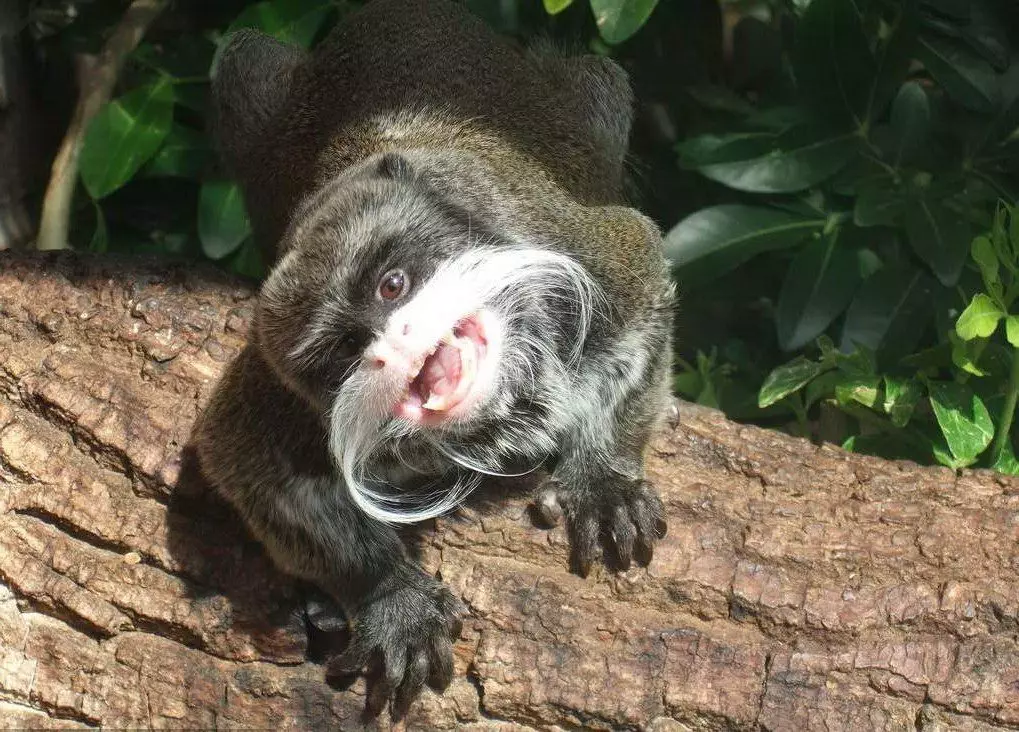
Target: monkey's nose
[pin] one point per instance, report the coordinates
(385, 354)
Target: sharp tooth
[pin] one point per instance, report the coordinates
(435, 403)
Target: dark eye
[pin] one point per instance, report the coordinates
(393, 284)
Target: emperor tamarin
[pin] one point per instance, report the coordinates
(456, 291)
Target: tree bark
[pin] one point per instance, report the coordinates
(800, 587)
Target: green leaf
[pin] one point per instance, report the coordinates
(1006, 461)
(965, 354)
(793, 161)
(617, 20)
(939, 237)
(554, 7)
(952, 9)
(911, 121)
(962, 417)
(1013, 227)
(818, 286)
(688, 383)
(987, 34)
(290, 21)
(247, 260)
(100, 242)
(944, 455)
(184, 154)
(862, 389)
(720, 99)
(894, 57)
(822, 387)
(222, 221)
(879, 204)
(1012, 330)
(831, 60)
(967, 78)
(982, 251)
(979, 319)
(714, 240)
(124, 135)
(901, 397)
(889, 313)
(787, 379)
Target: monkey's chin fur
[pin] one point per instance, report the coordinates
(455, 374)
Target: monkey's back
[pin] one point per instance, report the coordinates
(395, 57)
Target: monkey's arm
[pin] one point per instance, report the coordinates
(598, 481)
(619, 395)
(264, 451)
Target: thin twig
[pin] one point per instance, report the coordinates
(97, 78)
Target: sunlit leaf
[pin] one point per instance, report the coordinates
(901, 397)
(787, 379)
(1006, 462)
(553, 7)
(962, 417)
(1012, 330)
(979, 319)
(982, 251)
(862, 389)
(965, 354)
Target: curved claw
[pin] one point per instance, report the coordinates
(628, 514)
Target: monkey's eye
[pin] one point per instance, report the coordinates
(393, 284)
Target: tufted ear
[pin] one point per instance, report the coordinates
(251, 78)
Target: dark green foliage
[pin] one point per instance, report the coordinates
(834, 186)
(911, 109)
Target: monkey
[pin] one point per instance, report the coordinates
(457, 290)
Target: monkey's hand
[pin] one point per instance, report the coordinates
(403, 636)
(623, 514)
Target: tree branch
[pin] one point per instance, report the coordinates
(799, 587)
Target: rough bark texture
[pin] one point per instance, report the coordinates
(799, 587)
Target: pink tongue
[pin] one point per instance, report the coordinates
(441, 372)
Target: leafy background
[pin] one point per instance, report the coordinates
(834, 177)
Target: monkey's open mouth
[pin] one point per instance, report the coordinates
(448, 373)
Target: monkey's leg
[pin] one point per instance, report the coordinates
(264, 451)
(598, 482)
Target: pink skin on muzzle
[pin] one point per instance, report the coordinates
(441, 378)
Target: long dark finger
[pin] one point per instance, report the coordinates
(623, 535)
(440, 663)
(583, 543)
(410, 687)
